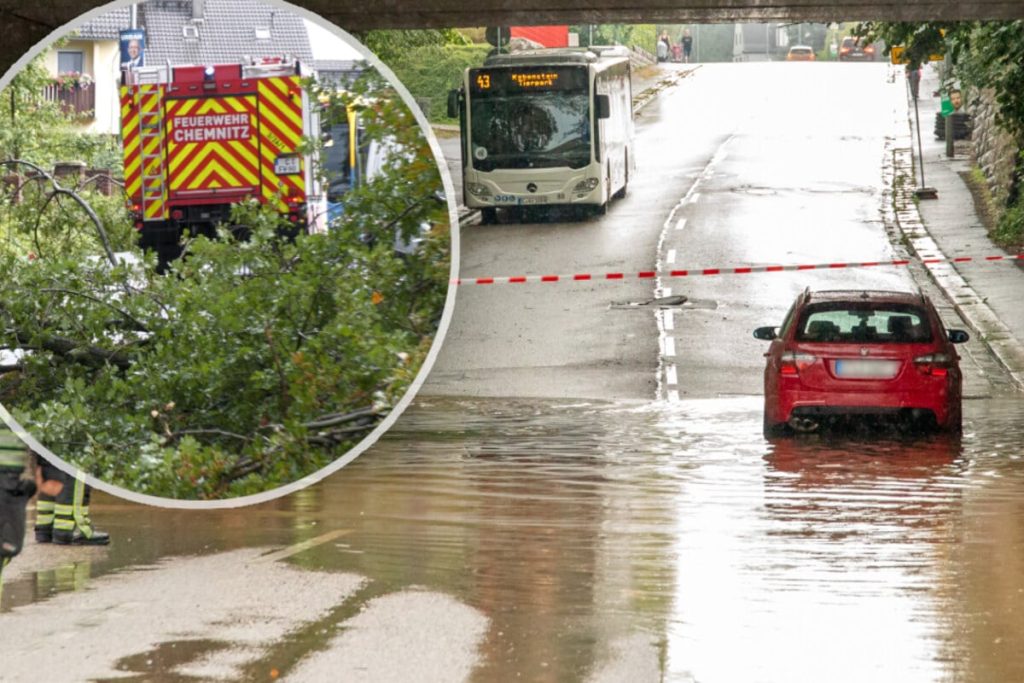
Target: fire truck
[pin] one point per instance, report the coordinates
(199, 138)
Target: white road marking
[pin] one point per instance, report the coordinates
(665, 321)
(304, 545)
(397, 637)
(671, 376)
(669, 349)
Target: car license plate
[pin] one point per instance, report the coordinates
(286, 165)
(866, 369)
(534, 200)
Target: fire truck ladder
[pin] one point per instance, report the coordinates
(151, 135)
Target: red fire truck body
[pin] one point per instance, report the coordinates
(198, 139)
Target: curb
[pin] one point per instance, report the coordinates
(971, 307)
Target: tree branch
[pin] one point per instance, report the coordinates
(135, 324)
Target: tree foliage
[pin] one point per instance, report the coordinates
(253, 363)
(394, 46)
(36, 129)
(641, 35)
(985, 55)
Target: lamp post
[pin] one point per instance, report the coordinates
(914, 81)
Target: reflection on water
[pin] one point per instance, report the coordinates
(675, 527)
(839, 556)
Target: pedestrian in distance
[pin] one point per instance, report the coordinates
(664, 46)
(687, 42)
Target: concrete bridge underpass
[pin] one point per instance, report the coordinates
(24, 24)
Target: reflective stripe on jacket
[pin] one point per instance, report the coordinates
(12, 449)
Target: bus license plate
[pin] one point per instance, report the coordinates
(518, 201)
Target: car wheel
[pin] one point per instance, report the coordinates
(773, 430)
(954, 423)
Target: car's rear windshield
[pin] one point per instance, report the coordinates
(800, 50)
(854, 322)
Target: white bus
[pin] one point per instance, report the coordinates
(550, 127)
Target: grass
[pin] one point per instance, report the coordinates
(1006, 227)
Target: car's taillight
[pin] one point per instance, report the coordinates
(792, 362)
(935, 364)
(177, 214)
(843, 50)
(869, 48)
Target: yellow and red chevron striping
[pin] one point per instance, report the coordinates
(154, 191)
(177, 147)
(280, 102)
(131, 148)
(211, 144)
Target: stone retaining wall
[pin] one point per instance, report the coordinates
(994, 151)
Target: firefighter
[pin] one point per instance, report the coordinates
(15, 492)
(62, 509)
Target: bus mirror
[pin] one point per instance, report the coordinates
(453, 104)
(602, 107)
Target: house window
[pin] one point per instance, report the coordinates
(69, 62)
(262, 33)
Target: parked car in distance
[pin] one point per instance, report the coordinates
(853, 49)
(800, 53)
(852, 352)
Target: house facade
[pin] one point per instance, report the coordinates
(86, 72)
(86, 68)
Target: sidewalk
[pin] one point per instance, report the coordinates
(987, 295)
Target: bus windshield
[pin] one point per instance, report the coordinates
(530, 129)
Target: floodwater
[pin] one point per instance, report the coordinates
(670, 537)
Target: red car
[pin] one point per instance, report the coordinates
(853, 49)
(854, 352)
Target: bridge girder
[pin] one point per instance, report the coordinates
(23, 25)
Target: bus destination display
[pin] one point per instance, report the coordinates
(506, 80)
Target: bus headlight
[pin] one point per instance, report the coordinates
(478, 190)
(585, 185)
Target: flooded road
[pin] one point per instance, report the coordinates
(580, 541)
(622, 519)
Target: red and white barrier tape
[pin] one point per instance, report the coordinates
(739, 270)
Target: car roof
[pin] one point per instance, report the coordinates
(865, 295)
(796, 48)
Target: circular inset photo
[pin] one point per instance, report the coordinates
(226, 246)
